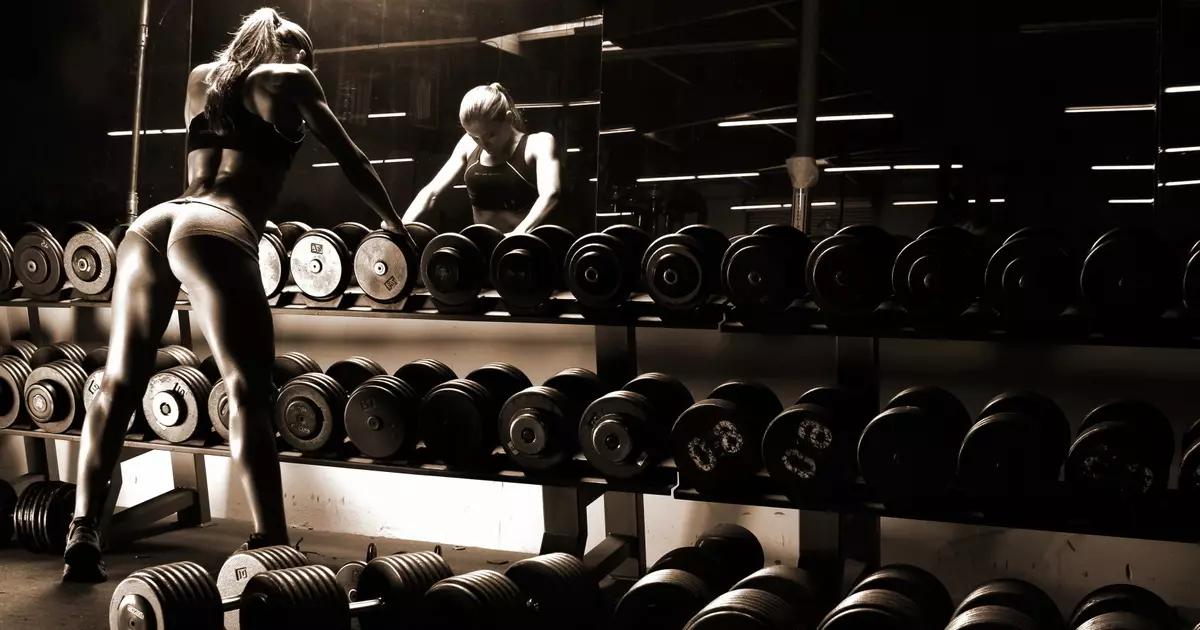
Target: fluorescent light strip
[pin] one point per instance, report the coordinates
(670, 178)
(1181, 149)
(554, 105)
(148, 132)
(1189, 182)
(1179, 89)
(591, 179)
(461, 186)
(614, 214)
(389, 161)
(397, 160)
(823, 204)
(1110, 108)
(726, 175)
(1124, 167)
(324, 164)
(388, 115)
(761, 206)
(750, 122)
(1130, 201)
(606, 132)
(842, 117)
(915, 203)
(989, 201)
(916, 167)
(574, 150)
(855, 169)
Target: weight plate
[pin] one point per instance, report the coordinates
(797, 245)
(56, 519)
(8, 276)
(90, 260)
(852, 409)
(756, 276)
(601, 271)
(400, 580)
(1122, 598)
(354, 371)
(1191, 283)
(95, 359)
(1126, 278)
(347, 578)
(1189, 470)
(580, 385)
(308, 412)
(1013, 594)
(620, 434)
(457, 421)
(1113, 458)
(352, 233)
(270, 228)
(424, 374)
(218, 409)
(385, 267)
(916, 585)
(289, 365)
(91, 387)
(14, 372)
(538, 427)
(485, 238)
(993, 618)
(1001, 459)
(560, 240)
(667, 394)
(635, 239)
(937, 274)
(906, 454)
(381, 417)
(58, 351)
(19, 348)
(791, 584)
(38, 259)
(677, 272)
(706, 564)
(810, 451)
(501, 380)
(273, 264)
(1031, 278)
(558, 591)
(715, 444)
(53, 396)
(303, 598)
(179, 595)
(849, 275)
(940, 404)
(745, 608)
(176, 404)
(242, 566)
(1052, 432)
(321, 264)
(421, 234)
(291, 231)
(738, 549)
(524, 270)
(876, 609)
(453, 269)
(760, 403)
(662, 599)
(1144, 417)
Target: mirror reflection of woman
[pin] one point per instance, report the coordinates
(512, 177)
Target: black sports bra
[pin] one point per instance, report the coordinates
(249, 133)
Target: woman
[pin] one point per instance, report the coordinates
(246, 115)
(512, 177)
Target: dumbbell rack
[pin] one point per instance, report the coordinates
(840, 539)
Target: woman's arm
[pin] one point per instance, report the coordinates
(300, 86)
(549, 180)
(444, 179)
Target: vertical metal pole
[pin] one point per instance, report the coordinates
(41, 458)
(188, 471)
(616, 354)
(564, 514)
(802, 166)
(185, 329)
(131, 210)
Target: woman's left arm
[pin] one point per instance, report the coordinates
(549, 181)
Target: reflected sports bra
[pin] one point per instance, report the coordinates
(510, 185)
(248, 133)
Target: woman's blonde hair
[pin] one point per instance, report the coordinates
(489, 103)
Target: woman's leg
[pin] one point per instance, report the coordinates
(225, 289)
(143, 302)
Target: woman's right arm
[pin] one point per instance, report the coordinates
(445, 177)
(300, 86)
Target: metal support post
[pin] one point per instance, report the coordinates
(189, 473)
(625, 518)
(564, 513)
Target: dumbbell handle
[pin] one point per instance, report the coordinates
(231, 603)
(366, 603)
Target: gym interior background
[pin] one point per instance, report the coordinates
(684, 112)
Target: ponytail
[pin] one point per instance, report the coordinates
(490, 103)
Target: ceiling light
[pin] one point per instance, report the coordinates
(761, 206)
(147, 132)
(670, 178)
(1110, 108)
(1130, 201)
(750, 122)
(555, 105)
(1178, 89)
(989, 201)
(1189, 182)
(842, 117)
(395, 160)
(605, 132)
(915, 203)
(591, 179)
(614, 214)
(1124, 167)
(460, 186)
(823, 204)
(1181, 149)
(583, 103)
(388, 115)
(726, 175)
(916, 167)
(324, 164)
(574, 150)
(854, 169)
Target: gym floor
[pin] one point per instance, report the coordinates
(33, 596)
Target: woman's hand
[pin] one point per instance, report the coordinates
(396, 228)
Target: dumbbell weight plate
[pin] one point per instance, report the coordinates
(19, 348)
(1120, 621)
(381, 417)
(524, 270)
(848, 273)
(617, 437)
(1127, 276)
(58, 351)
(91, 387)
(755, 274)
(536, 427)
(421, 234)
(745, 608)
(56, 517)
(993, 618)
(1030, 277)
(176, 404)
(177, 595)
(738, 549)
(38, 258)
(242, 566)
(453, 269)
(937, 274)
(663, 599)
(53, 393)
(501, 380)
(791, 584)
(558, 590)
(8, 276)
(289, 365)
(321, 264)
(14, 371)
(1052, 431)
(308, 412)
(1191, 283)
(457, 422)
(218, 409)
(1001, 459)
(875, 610)
(485, 238)
(598, 271)
(90, 259)
(1123, 598)
(424, 374)
(1113, 458)
(676, 272)
(560, 240)
(385, 267)
(810, 450)
(915, 584)
(1012, 594)
(479, 600)
(1145, 417)
(273, 264)
(756, 398)
(352, 233)
(714, 446)
(354, 371)
(348, 577)
(911, 449)
(291, 231)
(797, 245)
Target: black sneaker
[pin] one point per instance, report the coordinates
(82, 557)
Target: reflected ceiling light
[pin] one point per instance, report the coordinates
(1179, 89)
(915, 203)
(396, 160)
(989, 201)
(1124, 167)
(389, 161)
(614, 214)
(760, 206)
(750, 122)
(1181, 149)
(460, 186)
(324, 164)
(916, 167)
(1188, 182)
(842, 117)
(854, 169)
(574, 150)
(670, 178)
(148, 132)
(583, 103)
(1130, 201)
(1110, 108)
(556, 105)
(388, 115)
(591, 179)
(726, 175)
(823, 204)
(606, 132)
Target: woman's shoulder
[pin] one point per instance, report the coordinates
(277, 75)
(540, 143)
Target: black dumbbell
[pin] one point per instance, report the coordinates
(274, 254)
(19, 348)
(57, 351)
(811, 447)
(386, 266)
(560, 590)
(745, 608)
(310, 409)
(14, 372)
(457, 419)
(479, 600)
(794, 586)
(95, 359)
(1015, 450)
(896, 597)
(382, 413)
(166, 358)
(1127, 276)
(539, 426)
(717, 442)
(683, 580)
(528, 268)
(683, 270)
(286, 366)
(1191, 280)
(38, 257)
(1007, 603)
(603, 268)
(761, 272)
(625, 432)
(1124, 448)
(909, 452)
(322, 261)
(454, 266)
(850, 273)
(938, 274)
(1189, 466)
(43, 514)
(185, 595)
(90, 259)
(8, 276)
(8, 503)
(1031, 276)
(1123, 606)
(54, 396)
(422, 234)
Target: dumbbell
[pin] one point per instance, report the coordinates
(1123, 606)
(896, 597)
(90, 259)
(14, 372)
(54, 396)
(19, 348)
(625, 432)
(422, 234)
(1124, 448)
(184, 595)
(274, 254)
(528, 268)
(8, 276)
(683, 270)
(382, 413)
(810, 448)
(717, 442)
(539, 426)
(349, 574)
(454, 266)
(322, 261)
(457, 419)
(166, 358)
(386, 266)
(1015, 450)
(850, 273)
(683, 580)
(310, 408)
(603, 268)
(43, 514)
(560, 591)
(761, 600)
(937, 275)
(760, 272)
(1189, 466)
(176, 404)
(8, 502)
(909, 452)
(18, 363)
(1031, 276)
(284, 368)
(1191, 280)
(1127, 275)
(38, 257)
(1007, 603)
(57, 351)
